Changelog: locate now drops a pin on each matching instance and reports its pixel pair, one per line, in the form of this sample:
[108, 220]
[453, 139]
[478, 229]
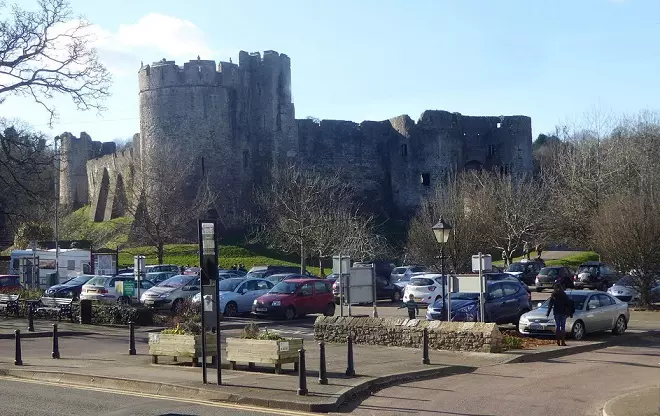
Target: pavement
[642, 402]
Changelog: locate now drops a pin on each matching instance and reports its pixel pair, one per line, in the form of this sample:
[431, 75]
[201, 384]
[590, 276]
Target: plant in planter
[182, 338]
[256, 346]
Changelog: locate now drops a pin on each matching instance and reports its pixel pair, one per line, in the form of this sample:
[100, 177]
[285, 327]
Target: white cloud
[152, 37]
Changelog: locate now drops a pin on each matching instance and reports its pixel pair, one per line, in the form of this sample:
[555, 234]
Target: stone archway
[102, 201]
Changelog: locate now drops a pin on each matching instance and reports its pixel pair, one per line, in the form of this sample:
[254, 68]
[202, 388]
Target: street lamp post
[441, 230]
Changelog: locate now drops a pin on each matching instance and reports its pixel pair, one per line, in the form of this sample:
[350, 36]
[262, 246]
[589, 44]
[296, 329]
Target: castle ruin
[240, 119]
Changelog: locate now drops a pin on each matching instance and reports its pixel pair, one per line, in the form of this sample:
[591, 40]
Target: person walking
[413, 308]
[526, 250]
[562, 307]
[539, 250]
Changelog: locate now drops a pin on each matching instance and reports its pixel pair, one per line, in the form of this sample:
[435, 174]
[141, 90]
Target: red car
[296, 297]
[10, 283]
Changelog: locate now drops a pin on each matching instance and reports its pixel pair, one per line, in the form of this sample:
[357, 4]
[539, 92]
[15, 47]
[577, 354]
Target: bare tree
[168, 196]
[303, 211]
[47, 52]
[449, 201]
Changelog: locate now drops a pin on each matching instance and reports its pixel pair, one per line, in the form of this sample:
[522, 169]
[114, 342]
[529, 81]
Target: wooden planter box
[173, 345]
[263, 351]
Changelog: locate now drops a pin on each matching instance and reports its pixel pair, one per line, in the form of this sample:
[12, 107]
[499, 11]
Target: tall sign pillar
[208, 263]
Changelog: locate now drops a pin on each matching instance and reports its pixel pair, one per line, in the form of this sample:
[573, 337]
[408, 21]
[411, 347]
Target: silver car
[624, 290]
[594, 312]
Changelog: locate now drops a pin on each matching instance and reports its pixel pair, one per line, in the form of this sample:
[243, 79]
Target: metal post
[56, 343]
[323, 378]
[444, 280]
[451, 290]
[131, 338]
[425, 347]
[302, 373]
[341, 288]
[18, 360]
[482, 290]
[350, 369]
[218, 344]
[30, 317]
[374, 293]
[57, 212]
[204, 379]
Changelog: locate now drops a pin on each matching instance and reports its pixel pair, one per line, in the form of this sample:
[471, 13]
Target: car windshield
[176, 281]
[588, 269]
[549, 271]
[229, 285]
[257, 274]
[97, 281]
[464, 296]
[626, 281]
[578, 301]
[516, 267]
[285, 287]
[399, 270]
[418, 281]
[79, 280]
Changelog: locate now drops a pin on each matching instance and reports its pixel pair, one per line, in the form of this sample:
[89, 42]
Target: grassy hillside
[572, 261]
[186, 254]
[79, 226]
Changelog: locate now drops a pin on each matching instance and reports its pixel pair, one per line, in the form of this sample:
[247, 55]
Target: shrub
[26, 294]
[512, 343]
[252, 331]
[121, 315]
[187, 319]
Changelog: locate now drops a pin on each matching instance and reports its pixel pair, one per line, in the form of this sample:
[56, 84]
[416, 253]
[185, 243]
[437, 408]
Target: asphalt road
[576, 385]
[29, 398]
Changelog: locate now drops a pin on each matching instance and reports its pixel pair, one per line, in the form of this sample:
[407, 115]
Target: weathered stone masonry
[240, 118]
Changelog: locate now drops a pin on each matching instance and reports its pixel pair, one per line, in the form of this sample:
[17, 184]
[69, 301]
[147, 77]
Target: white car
[104, 289]
[172, 292]
[426, 288]
[236, 295]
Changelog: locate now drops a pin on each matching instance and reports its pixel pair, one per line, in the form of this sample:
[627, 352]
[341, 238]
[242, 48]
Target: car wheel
[176, 305]
[620, 325]
[329, 310]
[396, 296]
[539, 289]
[290, 313]
[579, 331]
[231, 309]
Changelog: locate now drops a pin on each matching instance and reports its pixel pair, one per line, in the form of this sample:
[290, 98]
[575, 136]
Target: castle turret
[74, 153]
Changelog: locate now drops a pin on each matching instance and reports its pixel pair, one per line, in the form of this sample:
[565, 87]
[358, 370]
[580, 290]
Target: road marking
[172, 399]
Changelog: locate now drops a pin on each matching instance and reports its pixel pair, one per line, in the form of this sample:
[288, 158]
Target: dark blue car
[506, 301]
[69, 289]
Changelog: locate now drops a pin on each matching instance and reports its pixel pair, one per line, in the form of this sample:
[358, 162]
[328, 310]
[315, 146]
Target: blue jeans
[560, 323]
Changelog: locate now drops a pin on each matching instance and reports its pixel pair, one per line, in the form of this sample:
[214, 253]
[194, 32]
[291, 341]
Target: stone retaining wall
[403, 332]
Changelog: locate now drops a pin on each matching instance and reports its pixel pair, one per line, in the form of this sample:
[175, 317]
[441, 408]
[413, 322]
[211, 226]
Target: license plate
[535, 327]
[262, 309]
[148, 302]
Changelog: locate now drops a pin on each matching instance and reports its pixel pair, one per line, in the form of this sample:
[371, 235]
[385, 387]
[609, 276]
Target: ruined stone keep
[240, 120]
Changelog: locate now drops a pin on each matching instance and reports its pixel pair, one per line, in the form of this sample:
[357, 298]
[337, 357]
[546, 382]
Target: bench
[59, 306]
[10, 303]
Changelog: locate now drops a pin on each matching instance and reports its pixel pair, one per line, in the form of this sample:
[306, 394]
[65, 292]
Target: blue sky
[368, 59]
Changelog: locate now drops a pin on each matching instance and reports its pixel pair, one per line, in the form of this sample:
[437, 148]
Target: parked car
[382, 268]
[103, 289]
[296, 297]
[171, 293]
[426, 288]
[505, 302]
[495, 277]
[594, 312]
[157, 277]
[404, 273]
[236, 295]
[526, 270]
[595, 275]
[10, 283]
[549, 275]
[162, 268]
[69, 289]
[624, 290]
[385, 289]
[332, 278]
[265, 271]
[233, 272]
[276, 278]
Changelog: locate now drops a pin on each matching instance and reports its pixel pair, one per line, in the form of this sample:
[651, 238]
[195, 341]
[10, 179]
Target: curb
[25, 335]
[216, 394]
[570, 350]
[608, 408]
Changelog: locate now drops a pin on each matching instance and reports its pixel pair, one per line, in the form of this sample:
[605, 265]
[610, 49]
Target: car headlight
[276, 303]
[255, 302]
[165, 295]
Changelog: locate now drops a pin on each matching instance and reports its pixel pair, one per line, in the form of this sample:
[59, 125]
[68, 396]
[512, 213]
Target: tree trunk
[303, 259]
[321, 265]
[161, 249]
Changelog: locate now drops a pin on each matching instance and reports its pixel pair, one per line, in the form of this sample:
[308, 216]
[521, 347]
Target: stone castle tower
[239, 121]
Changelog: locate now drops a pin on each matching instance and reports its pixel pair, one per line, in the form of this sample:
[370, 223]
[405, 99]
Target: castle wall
[110, 179]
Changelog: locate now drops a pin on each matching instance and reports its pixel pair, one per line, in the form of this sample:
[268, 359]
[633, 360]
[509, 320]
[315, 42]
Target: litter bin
[86, 311]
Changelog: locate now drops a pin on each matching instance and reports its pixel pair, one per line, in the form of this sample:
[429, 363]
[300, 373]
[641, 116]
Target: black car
[595, 275]
[526, 271]
[385, 289]
[549, 275]
[69, 289]
[265, 271]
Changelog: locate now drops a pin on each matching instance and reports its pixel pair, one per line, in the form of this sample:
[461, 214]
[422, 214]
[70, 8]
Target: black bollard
[131, 338]
[323, 378]
[302, 373]
[350, 369]
[18, 360]
[425, 347]
[30, 317]
[56, 343]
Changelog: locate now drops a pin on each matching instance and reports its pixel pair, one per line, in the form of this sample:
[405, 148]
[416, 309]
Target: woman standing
[563, 308]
